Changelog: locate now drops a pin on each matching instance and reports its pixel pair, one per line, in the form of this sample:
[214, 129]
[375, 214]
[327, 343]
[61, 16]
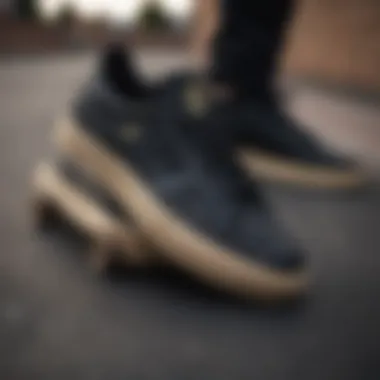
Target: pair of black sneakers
[181, 161]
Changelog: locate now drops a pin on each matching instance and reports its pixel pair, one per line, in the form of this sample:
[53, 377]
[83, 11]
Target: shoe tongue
[201, 108]
[200, 95]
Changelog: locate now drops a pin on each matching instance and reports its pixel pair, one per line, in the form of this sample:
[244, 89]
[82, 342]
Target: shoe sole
[266, 167]
[175, 240]
[110, 239]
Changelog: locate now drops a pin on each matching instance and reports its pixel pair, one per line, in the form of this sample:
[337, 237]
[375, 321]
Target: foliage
[66, 16]
[153, 17]
[27, 9]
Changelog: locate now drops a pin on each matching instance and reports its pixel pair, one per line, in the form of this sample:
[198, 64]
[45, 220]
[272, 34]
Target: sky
[116, 10]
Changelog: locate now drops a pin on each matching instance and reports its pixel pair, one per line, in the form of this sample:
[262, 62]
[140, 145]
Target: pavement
[58, 321]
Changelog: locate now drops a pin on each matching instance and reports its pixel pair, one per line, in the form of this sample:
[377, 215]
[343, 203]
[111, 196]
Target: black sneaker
[269, 145]
[273, 147]
[174, 176]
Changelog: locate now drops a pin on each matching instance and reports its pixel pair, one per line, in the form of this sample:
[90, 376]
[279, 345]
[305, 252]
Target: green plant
[27, 9]
[66, 16]
[153, 17]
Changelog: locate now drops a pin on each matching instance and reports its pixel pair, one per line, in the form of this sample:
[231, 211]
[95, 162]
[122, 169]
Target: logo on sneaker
[200, 96]
[130, 133]
[196, 99]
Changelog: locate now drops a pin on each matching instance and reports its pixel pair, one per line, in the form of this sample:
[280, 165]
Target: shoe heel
[55, 198]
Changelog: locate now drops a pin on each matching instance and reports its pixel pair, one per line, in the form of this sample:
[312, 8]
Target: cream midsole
[85, 214]
[268, 167]
[177, 241]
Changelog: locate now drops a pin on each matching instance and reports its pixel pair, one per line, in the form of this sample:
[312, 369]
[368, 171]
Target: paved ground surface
[59, 322]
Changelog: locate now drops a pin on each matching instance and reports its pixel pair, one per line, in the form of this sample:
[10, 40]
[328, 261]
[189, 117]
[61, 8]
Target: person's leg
[244, 61]
[248, 41]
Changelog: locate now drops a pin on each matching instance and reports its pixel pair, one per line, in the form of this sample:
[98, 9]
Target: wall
[336, 41]
[20, 36]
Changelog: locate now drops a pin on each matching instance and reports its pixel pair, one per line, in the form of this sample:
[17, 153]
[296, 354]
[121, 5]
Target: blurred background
[59, 322]
[334, 40]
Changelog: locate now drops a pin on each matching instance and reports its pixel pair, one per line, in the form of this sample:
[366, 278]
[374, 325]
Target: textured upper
[264, 125]
[184, 157]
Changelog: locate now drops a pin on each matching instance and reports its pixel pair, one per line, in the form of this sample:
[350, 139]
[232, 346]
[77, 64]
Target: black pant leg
[246, 46]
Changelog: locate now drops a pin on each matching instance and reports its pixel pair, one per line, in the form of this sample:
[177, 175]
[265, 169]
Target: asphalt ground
[58, 321]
